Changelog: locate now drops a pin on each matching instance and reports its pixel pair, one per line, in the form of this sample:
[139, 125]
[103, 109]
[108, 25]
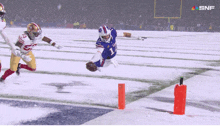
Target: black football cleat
[18, 69]
[1, 80]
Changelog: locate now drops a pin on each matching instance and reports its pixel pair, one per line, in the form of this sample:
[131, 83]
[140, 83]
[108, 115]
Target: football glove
[26, 58]
[58, 46]
[18, 53]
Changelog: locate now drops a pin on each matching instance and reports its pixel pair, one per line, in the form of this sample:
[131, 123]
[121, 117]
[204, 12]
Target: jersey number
[29, 47]
[112, 52]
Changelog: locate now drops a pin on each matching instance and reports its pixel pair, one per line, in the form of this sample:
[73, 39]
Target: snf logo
[203, 8]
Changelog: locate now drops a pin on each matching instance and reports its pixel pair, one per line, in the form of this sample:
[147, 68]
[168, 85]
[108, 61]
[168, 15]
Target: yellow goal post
[155, 2]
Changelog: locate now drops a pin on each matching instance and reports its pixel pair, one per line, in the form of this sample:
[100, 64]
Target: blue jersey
[110, 49]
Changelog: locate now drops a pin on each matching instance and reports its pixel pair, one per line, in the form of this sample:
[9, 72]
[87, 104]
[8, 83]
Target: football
[91, 66]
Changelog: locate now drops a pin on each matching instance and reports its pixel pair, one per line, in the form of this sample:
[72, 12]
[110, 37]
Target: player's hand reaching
[17, 52]
[49, 41]
[57, 46]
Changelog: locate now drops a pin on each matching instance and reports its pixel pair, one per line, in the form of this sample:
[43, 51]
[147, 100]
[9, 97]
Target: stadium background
[121, 14]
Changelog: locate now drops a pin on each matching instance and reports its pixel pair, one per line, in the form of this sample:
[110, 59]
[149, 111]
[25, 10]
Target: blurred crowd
[124, 14]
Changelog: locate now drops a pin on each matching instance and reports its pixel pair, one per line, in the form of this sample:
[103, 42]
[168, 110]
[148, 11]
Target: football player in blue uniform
[107, 49]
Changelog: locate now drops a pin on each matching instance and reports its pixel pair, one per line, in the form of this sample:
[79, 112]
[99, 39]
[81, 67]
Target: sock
[26, 67]
[7, 73]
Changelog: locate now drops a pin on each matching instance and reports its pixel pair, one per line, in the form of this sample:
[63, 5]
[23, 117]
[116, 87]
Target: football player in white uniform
[24, 45]
[2, 25]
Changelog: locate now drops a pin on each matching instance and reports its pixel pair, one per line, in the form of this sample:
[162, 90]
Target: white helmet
[105, 34]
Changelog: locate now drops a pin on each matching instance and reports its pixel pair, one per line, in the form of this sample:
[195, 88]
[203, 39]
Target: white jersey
[27, 43]
[2, 24]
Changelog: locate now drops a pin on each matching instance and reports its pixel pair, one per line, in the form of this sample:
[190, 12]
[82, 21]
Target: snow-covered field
[146, 67]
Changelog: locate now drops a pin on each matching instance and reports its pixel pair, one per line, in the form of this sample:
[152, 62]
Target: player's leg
[114, 62]
[107, 63]
[100, 63]
[13, 67]
[31, 66]
[111, 60]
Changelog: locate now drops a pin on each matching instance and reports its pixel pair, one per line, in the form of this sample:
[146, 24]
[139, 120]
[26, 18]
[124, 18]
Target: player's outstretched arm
[49, 41]
[97, 55]
[91, 65]
[4, 36]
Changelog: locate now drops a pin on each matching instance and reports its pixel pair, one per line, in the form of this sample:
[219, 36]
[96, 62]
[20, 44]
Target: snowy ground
[150, 69]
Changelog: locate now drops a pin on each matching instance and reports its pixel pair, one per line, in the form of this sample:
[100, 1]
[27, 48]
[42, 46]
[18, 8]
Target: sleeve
[97, 55]
[113, 32]
[100, 49]
[19, 42]
[20, 39]
[7, 40]
[99, 44]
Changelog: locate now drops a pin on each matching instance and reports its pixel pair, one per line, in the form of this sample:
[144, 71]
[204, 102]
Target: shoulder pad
[22, 38]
